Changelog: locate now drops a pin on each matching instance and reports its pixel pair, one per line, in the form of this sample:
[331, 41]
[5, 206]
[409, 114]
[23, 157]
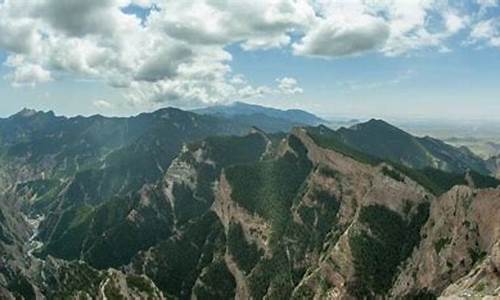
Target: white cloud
[289, 86]
[487, 31]
[259, 24]
[484, 5]
[102, 104]
[79, 18]
[454, 22]
[344, 28]
[29, 74]
[164, 63]
[420, 24]
[26, 74]
[179, 56]
[176, 56]
[335, 37]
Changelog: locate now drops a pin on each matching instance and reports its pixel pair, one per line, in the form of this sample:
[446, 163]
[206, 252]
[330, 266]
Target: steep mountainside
[60, 170]
[304, 221]
[385, 141]
[493, 165]
[461, 245]
[177, 213]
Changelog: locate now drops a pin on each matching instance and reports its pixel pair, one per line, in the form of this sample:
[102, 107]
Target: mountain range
[266, 118]
[210, 205]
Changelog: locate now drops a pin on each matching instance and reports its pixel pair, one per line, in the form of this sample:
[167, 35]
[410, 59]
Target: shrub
[378, 253]
[246, 254]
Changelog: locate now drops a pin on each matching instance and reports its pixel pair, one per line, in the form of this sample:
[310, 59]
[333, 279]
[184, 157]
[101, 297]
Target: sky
[404, 59]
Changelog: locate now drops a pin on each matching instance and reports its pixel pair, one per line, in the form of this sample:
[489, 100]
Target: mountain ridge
[386, 141]
[295, 117]
[198, 206]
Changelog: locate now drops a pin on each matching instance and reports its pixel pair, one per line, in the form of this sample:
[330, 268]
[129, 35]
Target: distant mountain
[266, 118]
[383, 140]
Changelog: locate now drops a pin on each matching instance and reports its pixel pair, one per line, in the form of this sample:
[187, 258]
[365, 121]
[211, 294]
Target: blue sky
[464, 82]
[333, 58]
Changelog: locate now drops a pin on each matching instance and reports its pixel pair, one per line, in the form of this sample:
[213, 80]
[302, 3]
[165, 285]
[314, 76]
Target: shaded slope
[385, 141]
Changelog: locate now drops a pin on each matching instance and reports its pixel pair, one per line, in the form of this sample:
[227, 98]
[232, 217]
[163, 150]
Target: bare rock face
[275, 217]
[330, 221]
[370, 232]
[359, 189]
[77, 280]
[482, 282]
[459, 252]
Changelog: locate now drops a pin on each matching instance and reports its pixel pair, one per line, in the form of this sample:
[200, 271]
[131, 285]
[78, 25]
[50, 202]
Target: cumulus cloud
[26, 74]
[336, 37]
[346, 28]
[258, 24]
[289, 86]
[79, 18]
[178, 53]
[164, 63]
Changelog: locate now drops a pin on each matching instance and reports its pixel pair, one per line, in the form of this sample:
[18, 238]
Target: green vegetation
[378, 252]
[443, 181]
[421, 295]
[175, 264]
[393, 174]
[483, 182]
[139, 283]
[233, 150]
[303, 292]
[307, 215]
[328, 207]
[417, 221]
[268, 188]
[476, 255]
[112, 292]
[104, 234]
[440, 244]
[37, 187]
[272, 273]
[329, 139]
[103, 166]
[5, 236]
[187, 205]
[218, 283]
[327, 172]
[387, 142]
[22, 287]
[480, 287]
[247, 255]
[96, 160]
[114, 239]
[71, 277]
[435, 181]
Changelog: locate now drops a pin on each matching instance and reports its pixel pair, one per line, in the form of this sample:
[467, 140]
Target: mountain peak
[28, 113]
[376, 124]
